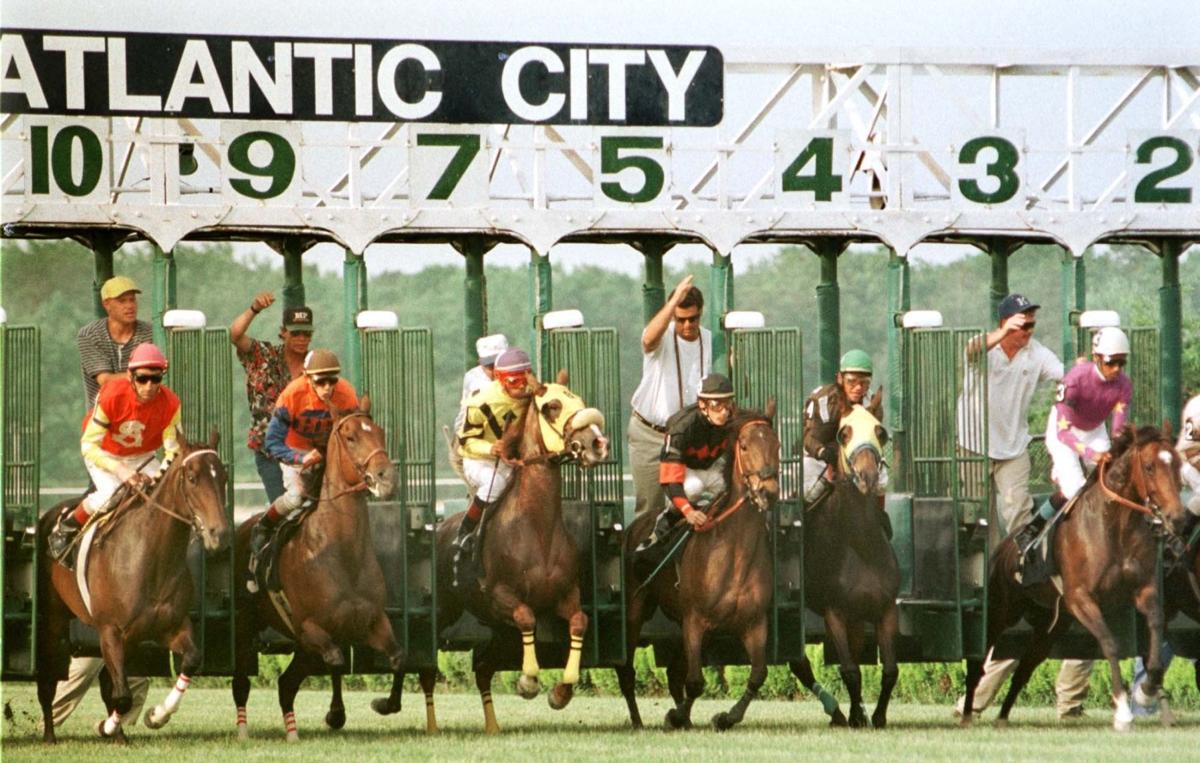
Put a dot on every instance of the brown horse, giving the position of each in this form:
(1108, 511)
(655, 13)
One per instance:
(851, 575)
(331, 581)
(138, 583)
(725, 579)
(530, 562)
(1106, 549)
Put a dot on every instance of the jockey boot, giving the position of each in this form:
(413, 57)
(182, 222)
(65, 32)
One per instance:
(650, 552)
(1028, 535)
(260, 534)
(64, 533)
(465, 564)
(820, 489)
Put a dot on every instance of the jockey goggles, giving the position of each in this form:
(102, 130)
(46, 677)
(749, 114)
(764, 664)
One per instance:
(512, 379)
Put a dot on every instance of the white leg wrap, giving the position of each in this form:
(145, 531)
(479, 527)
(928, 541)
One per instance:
(112, 723)
(243, 731)
(571, 672)
(1123, 716)
(289, 725)
(529, 663)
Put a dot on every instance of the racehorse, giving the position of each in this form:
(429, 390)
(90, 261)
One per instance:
(725, 580)
(1181, 593)
(138, 587)
(1106, 550)
(530, 561)
(850, 570)
(331, 584)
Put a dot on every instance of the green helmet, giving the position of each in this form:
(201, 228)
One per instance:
(858, 361)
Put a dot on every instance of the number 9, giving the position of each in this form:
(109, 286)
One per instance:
(280, 167)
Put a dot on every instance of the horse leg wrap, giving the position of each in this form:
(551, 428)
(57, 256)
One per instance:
(112, 723)
(571, 673)
(1123, 715)
(171, 704)
(289, 726)
(828, 703)
(529, 663)
(243, 730)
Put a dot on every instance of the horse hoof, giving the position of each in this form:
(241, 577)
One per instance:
(858, 719)
(243, 733)
(292, 737)
(676, 720)
(335, 719)
(156, 718)
(385, 706)
(559, 697)
(528, 686)
(1165, 716)
(1001, 723)
(879, 722)
(722, 722)
(1121, 724)
(838, 719)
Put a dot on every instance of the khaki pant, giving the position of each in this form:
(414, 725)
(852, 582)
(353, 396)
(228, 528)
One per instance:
(82, 672)
(1071, 687)
(645, 447)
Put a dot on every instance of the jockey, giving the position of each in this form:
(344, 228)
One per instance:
(488, 349)
(1188, 448)
(133, 417)
(851, 385)
(298, 429)
(692, 461)
(1087, 396)
(489, 412)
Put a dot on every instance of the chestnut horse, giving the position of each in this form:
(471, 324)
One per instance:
(725, 579)
(851, 575)
(1106, 550)
(138, 584)
(530, 561)
(330, 578)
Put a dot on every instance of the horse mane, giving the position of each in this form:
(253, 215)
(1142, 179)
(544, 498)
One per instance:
(1131, 437)
(740, 417)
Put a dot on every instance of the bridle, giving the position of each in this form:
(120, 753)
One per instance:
(359, 466)
(195, 522)
(1147, 506)
(744, 478)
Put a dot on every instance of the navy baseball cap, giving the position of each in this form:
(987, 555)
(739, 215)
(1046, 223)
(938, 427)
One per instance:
(1013, 304)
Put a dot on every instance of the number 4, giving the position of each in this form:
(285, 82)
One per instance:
(822, 182)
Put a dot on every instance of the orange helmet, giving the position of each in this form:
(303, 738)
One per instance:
(146, 355)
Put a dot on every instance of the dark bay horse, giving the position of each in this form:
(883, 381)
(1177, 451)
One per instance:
(1106, 550)
(851, 575)
(530, 561)
(725, 579)
(330, 577)
(137, 582)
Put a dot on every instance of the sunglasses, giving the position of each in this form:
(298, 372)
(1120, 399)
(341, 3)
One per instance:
(1116, 363)
(148, 379)
(1028, 326)
(328, 381)
(688, 318)
(301, 333)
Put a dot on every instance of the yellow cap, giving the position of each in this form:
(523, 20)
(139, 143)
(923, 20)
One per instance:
(116, 286)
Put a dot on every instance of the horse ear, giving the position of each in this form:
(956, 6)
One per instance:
(214, 437)
(876, 405)
(881, 435)
(770, 411)
(563, 377)
(364, 403)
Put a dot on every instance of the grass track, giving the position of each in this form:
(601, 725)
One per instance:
(590, 729)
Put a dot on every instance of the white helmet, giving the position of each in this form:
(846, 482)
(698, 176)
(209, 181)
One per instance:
(1110, 341)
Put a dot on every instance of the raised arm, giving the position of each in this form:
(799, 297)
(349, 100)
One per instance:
(653, 333)
(237, 330)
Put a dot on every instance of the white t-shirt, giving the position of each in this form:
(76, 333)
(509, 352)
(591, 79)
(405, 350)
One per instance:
(1011, 386)
(473, 381)
(657, 395)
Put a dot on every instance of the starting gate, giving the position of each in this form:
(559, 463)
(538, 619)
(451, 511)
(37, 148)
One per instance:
(943, 491)
(20, 427)
(593, 505)
(766, 364)
(202, 376)
(397, 368)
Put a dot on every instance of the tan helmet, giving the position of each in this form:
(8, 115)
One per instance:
(321, 363)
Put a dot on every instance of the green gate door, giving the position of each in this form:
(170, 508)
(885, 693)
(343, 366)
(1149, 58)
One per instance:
(201, 375)
(398, 378)
(591, 357)
(940, 511)
(767, 364)
(1145, 372)
(20, 427)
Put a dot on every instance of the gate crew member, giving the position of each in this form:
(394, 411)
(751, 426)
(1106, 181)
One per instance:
(1075, 433)
(134, 416)
(692, 464)
(269, 369)
(850, 387)
(676, 355)
(488, 349)
(1189, 453)
(106, 344)
(489, 413)
(300, 426)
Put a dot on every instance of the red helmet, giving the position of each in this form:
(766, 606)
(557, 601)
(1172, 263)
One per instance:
(146, 355)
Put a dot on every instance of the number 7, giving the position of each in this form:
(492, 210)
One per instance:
(468, 146)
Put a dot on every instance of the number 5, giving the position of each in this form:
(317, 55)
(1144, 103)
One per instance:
(612, 163)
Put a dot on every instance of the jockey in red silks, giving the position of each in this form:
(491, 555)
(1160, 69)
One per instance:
(134, 416)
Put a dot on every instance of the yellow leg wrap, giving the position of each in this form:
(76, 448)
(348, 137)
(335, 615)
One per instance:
(529, 663)
(571, 673)
(489, 715)
(431, 726)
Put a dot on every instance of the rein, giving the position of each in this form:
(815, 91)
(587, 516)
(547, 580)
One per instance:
(1139, 483)
(733, 508)
(361, 468)
(149, 498)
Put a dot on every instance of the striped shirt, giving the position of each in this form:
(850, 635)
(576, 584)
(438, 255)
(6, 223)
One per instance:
(98, 353)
